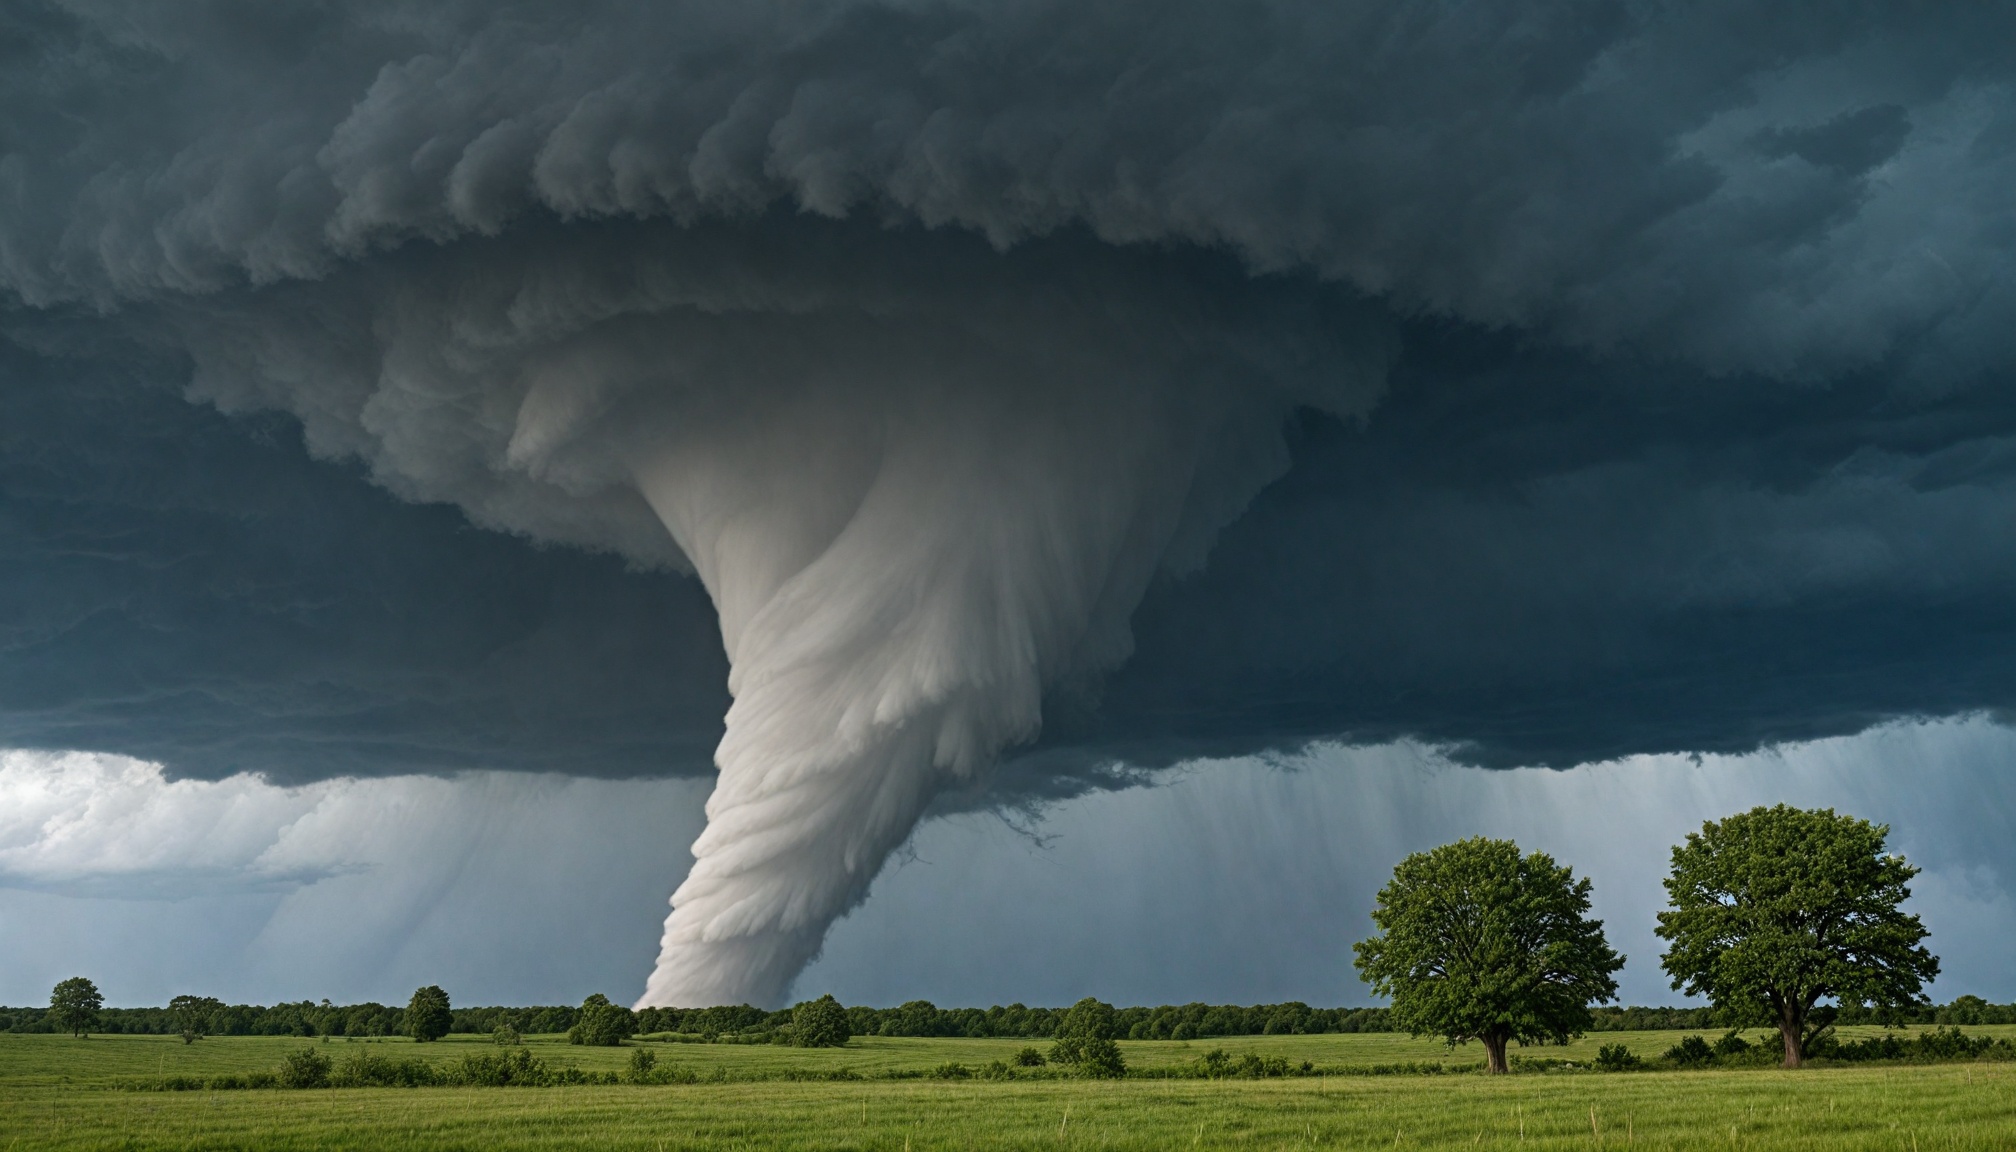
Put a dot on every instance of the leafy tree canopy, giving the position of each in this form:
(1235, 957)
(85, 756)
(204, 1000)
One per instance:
(602, 1023)
(428, 1016)
(1085, 1040)
(74, 1004)
(195, 1016)
(1777, 909)
(1478, 942)
(820, 1023)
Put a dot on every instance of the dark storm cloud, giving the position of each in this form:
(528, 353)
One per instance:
(1535, 558)
(193, 589)
(1697, 437)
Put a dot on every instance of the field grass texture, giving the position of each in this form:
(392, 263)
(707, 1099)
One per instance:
(57, 1092)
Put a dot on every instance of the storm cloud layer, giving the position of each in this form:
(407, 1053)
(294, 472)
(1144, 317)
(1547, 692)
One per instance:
(1628, 378)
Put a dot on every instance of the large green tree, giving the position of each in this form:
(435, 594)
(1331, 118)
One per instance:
(602, 1023)
(1085, 1040)
(1478, 942)
(428, 1016)
(1777, 909)
(195, 1016)
(74, 1005)
(820, 1023)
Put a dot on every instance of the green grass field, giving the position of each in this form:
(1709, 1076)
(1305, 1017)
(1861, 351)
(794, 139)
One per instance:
(56, 1092)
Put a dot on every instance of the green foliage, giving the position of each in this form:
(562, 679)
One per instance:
(372, 1070)
(1216, 1065)
(820, 1023)
(1480, 943)
(602, 1023)
(1085, 1041)
(1691, 1052)
(504, 1035)
(304, 1068)
(428, 1016)
(1731, 1043)
(952, 1070)
(195, 1016)
(1028, 1058)
(1616, 1058)
(74, 1005)
(1776, 909)
(642, 1063)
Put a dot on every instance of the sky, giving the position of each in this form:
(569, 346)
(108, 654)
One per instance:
(1230, 881)
(743, 453)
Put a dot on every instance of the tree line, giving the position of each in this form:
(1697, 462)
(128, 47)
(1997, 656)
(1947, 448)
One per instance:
(309, 1018)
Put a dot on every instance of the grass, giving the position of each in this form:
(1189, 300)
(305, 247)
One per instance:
(56, 1092)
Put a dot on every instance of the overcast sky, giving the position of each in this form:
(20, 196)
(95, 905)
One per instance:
(436, 441)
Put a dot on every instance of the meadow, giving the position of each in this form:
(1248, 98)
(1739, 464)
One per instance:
(58, 1092)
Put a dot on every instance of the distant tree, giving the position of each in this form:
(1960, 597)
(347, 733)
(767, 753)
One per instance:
(504, 1034)
(74, 1005)
(427, 1014)
(195, 1016)
(820, 1023)
(1085, 1040)
(1481, 943)
(602, 1023)
(1776, 909)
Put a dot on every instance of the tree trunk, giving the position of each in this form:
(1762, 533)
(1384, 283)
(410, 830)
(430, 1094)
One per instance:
(1792, 1029)
(1494, 1053)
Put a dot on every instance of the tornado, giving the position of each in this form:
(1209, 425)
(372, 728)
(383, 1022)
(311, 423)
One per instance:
(902, 570)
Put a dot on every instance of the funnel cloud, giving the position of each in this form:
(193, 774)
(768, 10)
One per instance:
(1037, 395)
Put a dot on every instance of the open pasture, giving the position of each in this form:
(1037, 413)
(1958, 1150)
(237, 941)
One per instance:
(56, 1092)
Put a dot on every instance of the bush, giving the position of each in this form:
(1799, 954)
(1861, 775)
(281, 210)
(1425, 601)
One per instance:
(305, 1068)
(602, 1024)
(1029, 1058)
(505, 1035)
(1216, 1065)
(820, 1023)
(952, 1070)
(642, 1062)
(512, 1067)
(365, 1070)
(1616, 1058)
(1693, 1052)
(1732, 1043)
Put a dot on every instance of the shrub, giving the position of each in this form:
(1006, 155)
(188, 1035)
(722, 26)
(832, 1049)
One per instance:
(1732, 1043)
(602, 1023)
(1028, 1058)
(366, 1070)
(820, 1023)
(511, 1067)
(952, 1070)
(505, 1035)
(642, 1062)
(1616, 1058)
(1692, 1052)
(305, 1068)
(1216, 1065)
(996, 1070)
